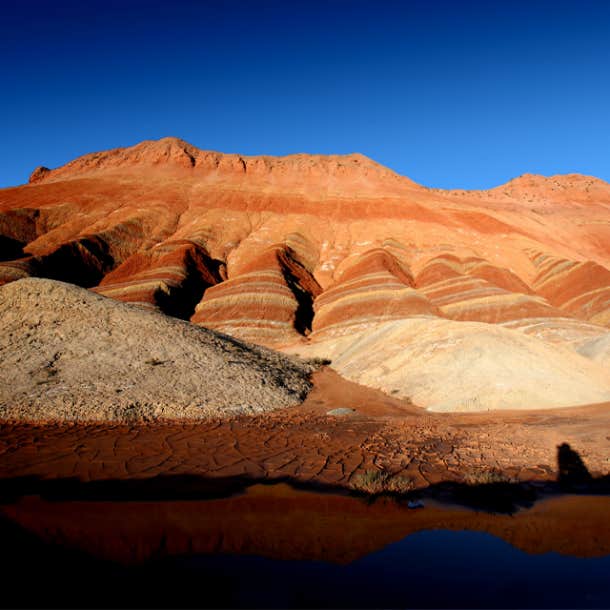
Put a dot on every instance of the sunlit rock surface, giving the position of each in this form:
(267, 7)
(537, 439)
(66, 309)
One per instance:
(292, 252)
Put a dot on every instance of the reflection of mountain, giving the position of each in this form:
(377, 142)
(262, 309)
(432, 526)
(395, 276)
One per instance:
(281, 523)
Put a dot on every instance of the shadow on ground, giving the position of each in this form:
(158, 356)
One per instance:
(499, 495)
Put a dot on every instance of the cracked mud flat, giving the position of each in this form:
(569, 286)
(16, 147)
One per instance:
(307, 446)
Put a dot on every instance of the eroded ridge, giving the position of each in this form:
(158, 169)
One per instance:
(269, 301)
(473, 289)
(376, 287)
(171, 276)
(578, 288)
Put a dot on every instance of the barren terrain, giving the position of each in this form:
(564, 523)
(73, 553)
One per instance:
(465, 333)
(307, 445)
(340, 257)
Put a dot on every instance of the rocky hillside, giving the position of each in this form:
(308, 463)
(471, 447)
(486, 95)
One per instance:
(300, 250)
(69, 354)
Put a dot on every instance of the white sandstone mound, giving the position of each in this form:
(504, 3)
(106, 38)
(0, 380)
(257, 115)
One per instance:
(445, 365)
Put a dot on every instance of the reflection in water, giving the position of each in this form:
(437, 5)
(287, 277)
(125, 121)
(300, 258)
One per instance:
(275, 546)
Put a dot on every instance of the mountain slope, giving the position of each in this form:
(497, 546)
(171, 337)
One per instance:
(289, 251)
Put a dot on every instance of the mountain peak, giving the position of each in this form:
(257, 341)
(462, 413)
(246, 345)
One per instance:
(172, 155)
(538, 182)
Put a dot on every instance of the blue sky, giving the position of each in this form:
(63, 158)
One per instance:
(454, 94)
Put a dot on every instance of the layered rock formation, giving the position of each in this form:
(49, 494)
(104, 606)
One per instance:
(270, 299)
(472, 289)
(375, 287)
(579, 288)
(304, 249)
(172, 276)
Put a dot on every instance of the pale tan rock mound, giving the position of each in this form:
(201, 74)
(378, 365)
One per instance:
(69, 354)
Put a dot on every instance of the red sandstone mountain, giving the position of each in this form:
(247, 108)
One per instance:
(303, 249)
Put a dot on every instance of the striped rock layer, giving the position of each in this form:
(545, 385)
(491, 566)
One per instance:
(279, 250)
(376, 287)
(472, 289)
(269, 300)
(579, 288)
(171, 276)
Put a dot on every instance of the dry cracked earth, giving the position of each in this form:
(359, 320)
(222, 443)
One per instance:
(306, 445)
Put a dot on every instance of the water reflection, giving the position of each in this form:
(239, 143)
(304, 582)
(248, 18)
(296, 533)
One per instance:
(275, 546)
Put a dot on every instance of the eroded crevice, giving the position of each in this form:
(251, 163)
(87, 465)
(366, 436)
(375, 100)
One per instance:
(191, 158)
(303, 286)
(83, 262)
(201, 273)
(11, 249)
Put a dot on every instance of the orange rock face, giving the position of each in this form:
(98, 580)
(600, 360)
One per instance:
(278, 250)
(269, 300)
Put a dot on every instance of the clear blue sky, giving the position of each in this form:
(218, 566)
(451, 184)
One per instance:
(452, 94)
